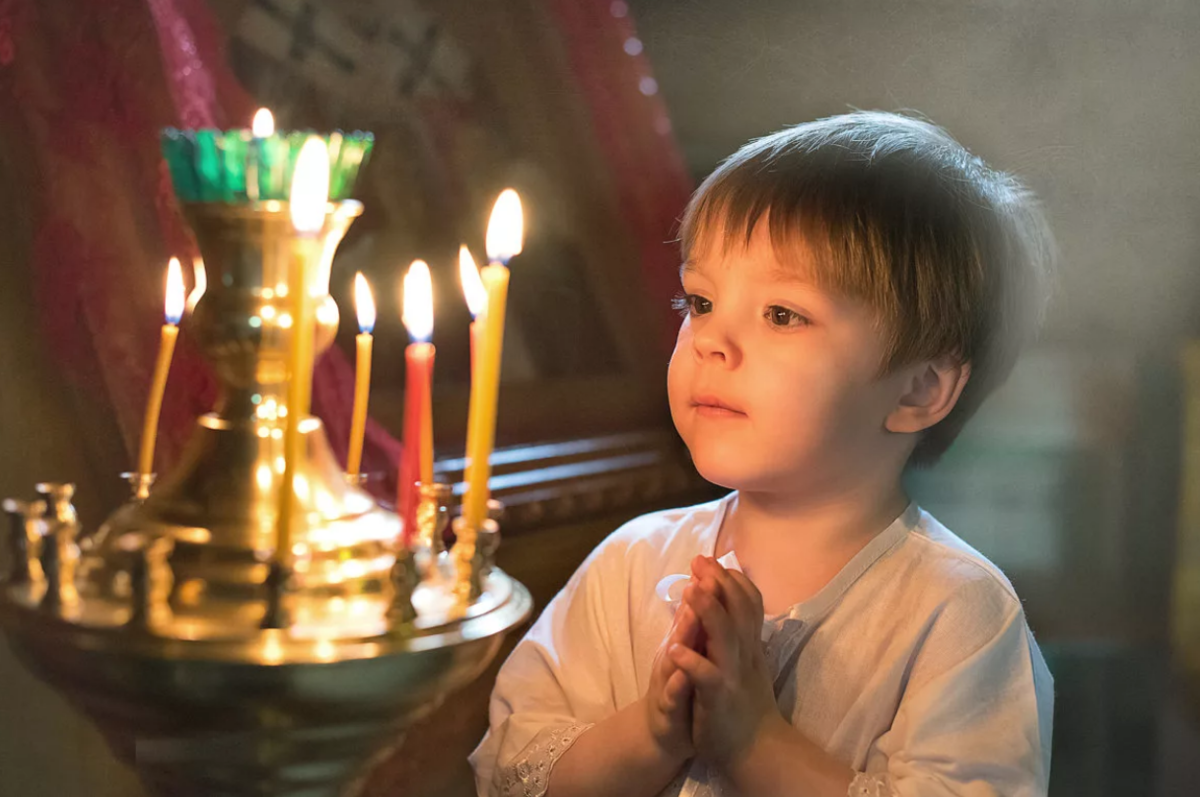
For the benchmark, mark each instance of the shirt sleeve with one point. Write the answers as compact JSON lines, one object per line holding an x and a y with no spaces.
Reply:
{"x":537,"y":711}
{"x":976,"y":719}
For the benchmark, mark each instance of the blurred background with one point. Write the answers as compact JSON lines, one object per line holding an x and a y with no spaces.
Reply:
{"x":1078,"y":478}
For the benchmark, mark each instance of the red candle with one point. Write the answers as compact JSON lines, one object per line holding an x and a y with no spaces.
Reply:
{"x":476,"y":296}
{"x":418,"y":357}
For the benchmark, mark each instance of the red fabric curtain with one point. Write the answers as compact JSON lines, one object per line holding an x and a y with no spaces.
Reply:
{"x":634,"y":131}
{"x":85,"y":88}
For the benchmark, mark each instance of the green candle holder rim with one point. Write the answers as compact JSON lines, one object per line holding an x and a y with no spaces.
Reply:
{"x":234,"y":167}
{"x":249,"y":134}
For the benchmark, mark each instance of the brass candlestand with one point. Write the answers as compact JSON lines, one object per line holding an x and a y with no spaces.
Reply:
{"x":153,"y":624}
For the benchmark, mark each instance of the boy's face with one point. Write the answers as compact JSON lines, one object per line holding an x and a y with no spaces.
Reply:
{"x":774,"y":383}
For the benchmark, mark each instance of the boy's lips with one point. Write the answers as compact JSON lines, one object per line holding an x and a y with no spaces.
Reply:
{"x":713,"y":407}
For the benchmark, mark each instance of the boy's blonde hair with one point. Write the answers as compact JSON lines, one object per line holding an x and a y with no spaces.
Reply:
{"x":952,"y":256}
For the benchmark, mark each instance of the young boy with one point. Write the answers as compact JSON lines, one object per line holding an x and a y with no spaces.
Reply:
{"x":853,"y":288}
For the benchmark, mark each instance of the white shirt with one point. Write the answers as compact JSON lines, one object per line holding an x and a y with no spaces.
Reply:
{"x":914,"y":665}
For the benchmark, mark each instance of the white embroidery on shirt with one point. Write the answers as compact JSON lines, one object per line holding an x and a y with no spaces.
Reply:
{"x":865,"y":785}
{"x":529,"y":773}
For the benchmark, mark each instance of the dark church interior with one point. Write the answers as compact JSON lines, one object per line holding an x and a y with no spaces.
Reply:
{"x":1078,"y":478}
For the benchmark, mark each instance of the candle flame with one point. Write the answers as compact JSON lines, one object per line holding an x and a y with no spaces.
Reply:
{"x":310,"y":187}
{"x":364,"y":302}
{"x":199,"y":283}
{"x":418,"y":301}
{"x":472,"y":285}
{"x":174,"y":303}
{"x":263,"y":125}
{"x":506,"y":228}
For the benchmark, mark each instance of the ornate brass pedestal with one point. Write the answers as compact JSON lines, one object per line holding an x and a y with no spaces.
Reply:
{"x":153,"y":625}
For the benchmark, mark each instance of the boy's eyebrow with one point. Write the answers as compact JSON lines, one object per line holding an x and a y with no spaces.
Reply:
{"x":779,"y":273}
{"x":782,"y":273}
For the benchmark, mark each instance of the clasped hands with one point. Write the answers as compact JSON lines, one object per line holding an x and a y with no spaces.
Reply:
{"x":711,"y":693}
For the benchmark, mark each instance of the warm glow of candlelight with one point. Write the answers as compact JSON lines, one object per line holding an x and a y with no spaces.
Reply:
{"x":175,"y":292}
{"x":364,"y":304}
{"x":485,"y":390}
{"x":418,"y":411}
{"x":504,"y":240}
{"x":166,"y":348}
{"x":418,"y":301}
{"x":310,"y":187}
{"x":263,"y":125}
{"x":200,"y":280}
{"x":468,"y":275}
{"x":308,"y":201}
{"x":505,"y":231}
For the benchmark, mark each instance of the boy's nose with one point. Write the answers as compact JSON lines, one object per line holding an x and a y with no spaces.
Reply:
{"x":714,"y":343}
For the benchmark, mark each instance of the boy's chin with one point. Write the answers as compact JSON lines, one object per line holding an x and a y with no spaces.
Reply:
{"x":729,"y":466}
{"x":727,"y":472}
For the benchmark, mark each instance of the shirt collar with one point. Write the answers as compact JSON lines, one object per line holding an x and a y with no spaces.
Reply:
{"x":881,"y":544}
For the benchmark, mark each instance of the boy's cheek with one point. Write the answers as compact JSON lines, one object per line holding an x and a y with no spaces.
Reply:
{"x":678,"y":399}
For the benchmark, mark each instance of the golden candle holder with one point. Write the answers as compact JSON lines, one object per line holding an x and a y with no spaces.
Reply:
{"x":139,"y":484}
{"x":474,"y":553}
{"x":429,"y":540}
{"x":213,"y":664}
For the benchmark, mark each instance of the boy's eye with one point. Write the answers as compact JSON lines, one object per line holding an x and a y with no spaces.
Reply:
{"x":783,"y":317}
{"x":690,"y":304}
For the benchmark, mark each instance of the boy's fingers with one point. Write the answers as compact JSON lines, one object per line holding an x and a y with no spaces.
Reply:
{"x":749,"y":616}
{"x":737,"y":592}
{"x":700,"y":671}
{"x":751,"y":593}
{"x":688,"y":627}
{"x":685,"y":619}
{"x":677,"y":689}
{"x":737,"y":600}
{"x":722,"y":637}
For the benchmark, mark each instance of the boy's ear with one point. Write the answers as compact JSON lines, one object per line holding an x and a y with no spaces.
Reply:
{"x":931,"y":389}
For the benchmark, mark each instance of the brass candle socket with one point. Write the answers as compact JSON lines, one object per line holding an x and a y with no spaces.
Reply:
{"x":139,"y":484}
{"x":154,"y":624}
{"x":474,"y":553}
{"x":433,"y":516}
{"x":24,"y":546}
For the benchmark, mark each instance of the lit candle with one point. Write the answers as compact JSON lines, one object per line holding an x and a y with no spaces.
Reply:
{"x":476,"y":296}
{"x":418,"y":356}
{"x":365,"y":306}
{"x":426,"y":468}
{"x":166,"y":348}
{"x":504,"y":237}
{"x":307,"y":204}
{"x":199,"y":284}
{"x":262,"y":127}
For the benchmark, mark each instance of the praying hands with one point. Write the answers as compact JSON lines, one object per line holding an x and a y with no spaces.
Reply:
{"x":734,"y":699}
{"x":735,"y":721}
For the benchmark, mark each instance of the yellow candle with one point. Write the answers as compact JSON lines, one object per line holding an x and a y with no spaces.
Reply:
{"x":503,"y":242}
{"x":309,"y":196}
{"x":166,"y":348}
{"x":365,"y":305}
{"x":473,"y":292}
{"x":199,"y":284}
{"x":485,"y":393}
{"x":262,"y":126}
